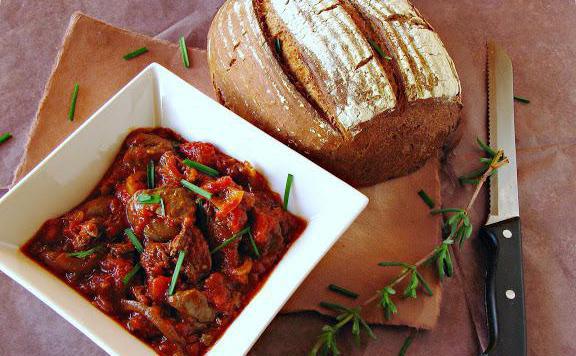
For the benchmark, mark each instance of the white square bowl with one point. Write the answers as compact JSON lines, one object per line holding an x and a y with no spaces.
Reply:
{"x":157,"y":97}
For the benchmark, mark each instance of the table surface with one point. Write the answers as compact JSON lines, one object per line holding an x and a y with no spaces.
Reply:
{"x":539,"y":36}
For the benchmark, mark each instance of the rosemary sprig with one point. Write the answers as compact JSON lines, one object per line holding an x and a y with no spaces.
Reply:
{"x":326,"y":342}
{"x":460,"y":229}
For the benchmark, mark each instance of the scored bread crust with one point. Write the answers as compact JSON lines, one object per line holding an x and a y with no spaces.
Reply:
{"x":364,"y":88}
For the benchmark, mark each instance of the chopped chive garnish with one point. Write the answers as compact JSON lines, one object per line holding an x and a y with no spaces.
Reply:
{"x":426,"y":198}
{"x":253,"y":243}
{"x":135,"y":53}
{"x":289,"y":180}
{"x":196,"y":189}
{"x":181,"y":255}
{"x":132,"y":237}
{"x":278,"y":46}
{"x":406,"y":344}
{"x":150,"y":175}
{"x":162,"y":208}
{"x":84,"y":254}
{"x":333,"y":306}
{"x":379,"y":50}
{"x":229,"y":240}
{"x":131,"y":274}
{"x":149,"y":198}
{"x":202,"y":168}
{"x":73,"y":102}
{"x":522,"y":99}
{"x":184,"y":52}
{"x":5,"y":137}
{"x":341,"y":290}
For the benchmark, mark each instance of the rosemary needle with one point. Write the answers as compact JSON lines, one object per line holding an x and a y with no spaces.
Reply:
{"x":522,"y":99}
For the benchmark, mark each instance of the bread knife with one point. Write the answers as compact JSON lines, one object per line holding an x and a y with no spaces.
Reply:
{"x":501,"y":234}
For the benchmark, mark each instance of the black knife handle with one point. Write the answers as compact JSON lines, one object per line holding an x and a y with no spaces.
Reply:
{"x":504,"y":289}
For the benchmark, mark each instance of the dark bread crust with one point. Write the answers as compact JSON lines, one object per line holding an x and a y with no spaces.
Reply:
{"x":254,"y":81}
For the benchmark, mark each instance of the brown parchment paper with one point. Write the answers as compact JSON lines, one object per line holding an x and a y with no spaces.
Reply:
{"x":92,"y":56}
{"x":538,"y":35}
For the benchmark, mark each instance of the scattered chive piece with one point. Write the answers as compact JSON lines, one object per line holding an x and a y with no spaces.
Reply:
{"x":150,"y":175}
{"x":278,"y":46}
{"x":5,"y":137}
{"x":132,"y":237}
{"x":333,"y":306}
{"x":341,"y":290}
{"x":184,"y":52}
{"x":407,"y":343}
{"x":253,"y":243}
{"x":426,"y":198}
{"x":202,"y":168}
{"x":289,"y":180}
{"x":149,"y":198}
{"x":181,"y":255}
{"x":162,"y":208}
{"x":84,"y":254}
{"x":131,"y":274}
{"x":521,"y":99}
{"x":135,"y":53}
{"x":229,"y":240}
{"x":379,"y":50}
{"x":73,"y":102}
{"x":196,"y":189}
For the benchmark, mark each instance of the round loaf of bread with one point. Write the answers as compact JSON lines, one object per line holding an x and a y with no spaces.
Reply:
{"x":364,"y":88}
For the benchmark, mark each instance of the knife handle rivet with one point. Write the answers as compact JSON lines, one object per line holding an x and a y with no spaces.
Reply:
{"x":507,"y":234}
{"x":510,"y":294}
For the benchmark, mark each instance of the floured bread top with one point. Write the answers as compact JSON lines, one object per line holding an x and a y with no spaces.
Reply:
{"x":335,"y":63}
{"x":427,"y":69}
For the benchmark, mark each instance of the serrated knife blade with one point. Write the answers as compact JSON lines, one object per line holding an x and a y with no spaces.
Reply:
{"x":501,"y":234}
{"x":504,"y":185}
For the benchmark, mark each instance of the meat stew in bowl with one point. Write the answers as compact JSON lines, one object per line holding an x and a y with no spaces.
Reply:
{"x":173,"y":242}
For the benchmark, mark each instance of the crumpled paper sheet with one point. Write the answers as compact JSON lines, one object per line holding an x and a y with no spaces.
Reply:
{"x":92,"y":56}
{"x":395,"y":226}
{"x":539,"y":42}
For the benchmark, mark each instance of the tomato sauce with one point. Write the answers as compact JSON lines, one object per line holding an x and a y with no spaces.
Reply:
{"x":172,"y":243}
